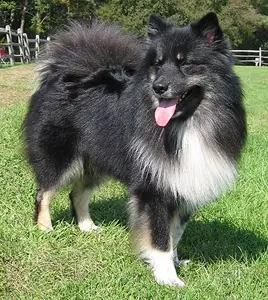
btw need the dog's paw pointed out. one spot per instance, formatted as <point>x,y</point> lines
<point>44,227</point>
<point>165,278</point>
<point>88,225</point>
<point>165,274</point>
<point>176,282</point>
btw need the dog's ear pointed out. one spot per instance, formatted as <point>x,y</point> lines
<point>209,28</point>
<point>156,26</point>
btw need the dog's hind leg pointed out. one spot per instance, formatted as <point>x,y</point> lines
<point>150,220</point>
<point>42,208</point>
<point>79,197</point>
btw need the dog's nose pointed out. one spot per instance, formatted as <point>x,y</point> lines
<point>160,88</point>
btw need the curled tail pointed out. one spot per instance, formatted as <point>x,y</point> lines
<point>91,54</point>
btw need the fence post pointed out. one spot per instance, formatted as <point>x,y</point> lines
<point>21,47</point>
<point>260,57</point>
<point>37,43</point>
<point>26,47</point>
<point>10,46</point>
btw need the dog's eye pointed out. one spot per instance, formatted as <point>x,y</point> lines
<point>158,62</point>
<point>180,59</point>
<point>129,71</point>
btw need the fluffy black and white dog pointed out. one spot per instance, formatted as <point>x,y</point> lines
<point>164,117</point>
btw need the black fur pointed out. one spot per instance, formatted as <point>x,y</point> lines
<point>96,103</point>
<point>38,199</point>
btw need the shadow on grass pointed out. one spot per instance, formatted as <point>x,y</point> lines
<point>220,240</point>
<point>102,212</point>
<point>205,241</point>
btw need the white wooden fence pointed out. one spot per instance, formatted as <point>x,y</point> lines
<point>18,47</point>
<point>257,57</point>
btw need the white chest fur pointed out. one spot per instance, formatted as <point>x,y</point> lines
<point>199,173</point>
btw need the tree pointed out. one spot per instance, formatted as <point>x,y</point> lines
<point>240,21</point>
<point>7,12</point>
<point>245,22</point>
<point>133,14</point>
<point>24,9</point>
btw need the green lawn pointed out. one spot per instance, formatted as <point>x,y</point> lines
<point>227,241</point>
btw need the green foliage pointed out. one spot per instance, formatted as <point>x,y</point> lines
<point>7,5</point>
<point>134,14</point>
<point>40,18</point>
<point>245,22</point>
<point>242,20</point>
<point>6,10</point>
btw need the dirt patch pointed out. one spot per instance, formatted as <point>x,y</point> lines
<point>16,84</point>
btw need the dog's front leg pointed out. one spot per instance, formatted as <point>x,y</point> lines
<point>150,219</point>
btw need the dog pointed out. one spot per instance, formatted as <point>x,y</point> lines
<point>165,116</point>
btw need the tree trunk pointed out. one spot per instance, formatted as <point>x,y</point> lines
<point>12,16</point>
<point>22,22</point>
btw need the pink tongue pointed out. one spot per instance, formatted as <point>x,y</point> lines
<point>165,111</point>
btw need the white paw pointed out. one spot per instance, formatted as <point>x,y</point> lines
<point>164,278</point>
<point>87,225</point>
<point>44,227</point>
<point>165,274</point>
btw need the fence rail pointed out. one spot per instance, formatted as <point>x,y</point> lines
<point>18,47</point>
<point>257,57</point>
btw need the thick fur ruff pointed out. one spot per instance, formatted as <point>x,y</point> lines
<point>94,114</point>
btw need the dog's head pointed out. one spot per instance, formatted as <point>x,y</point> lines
<point>184,65</point>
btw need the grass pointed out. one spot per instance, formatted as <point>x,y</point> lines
<point>16,83</point>
<point>227,241</point>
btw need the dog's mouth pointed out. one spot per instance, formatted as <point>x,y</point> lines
<point>173,107</point>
